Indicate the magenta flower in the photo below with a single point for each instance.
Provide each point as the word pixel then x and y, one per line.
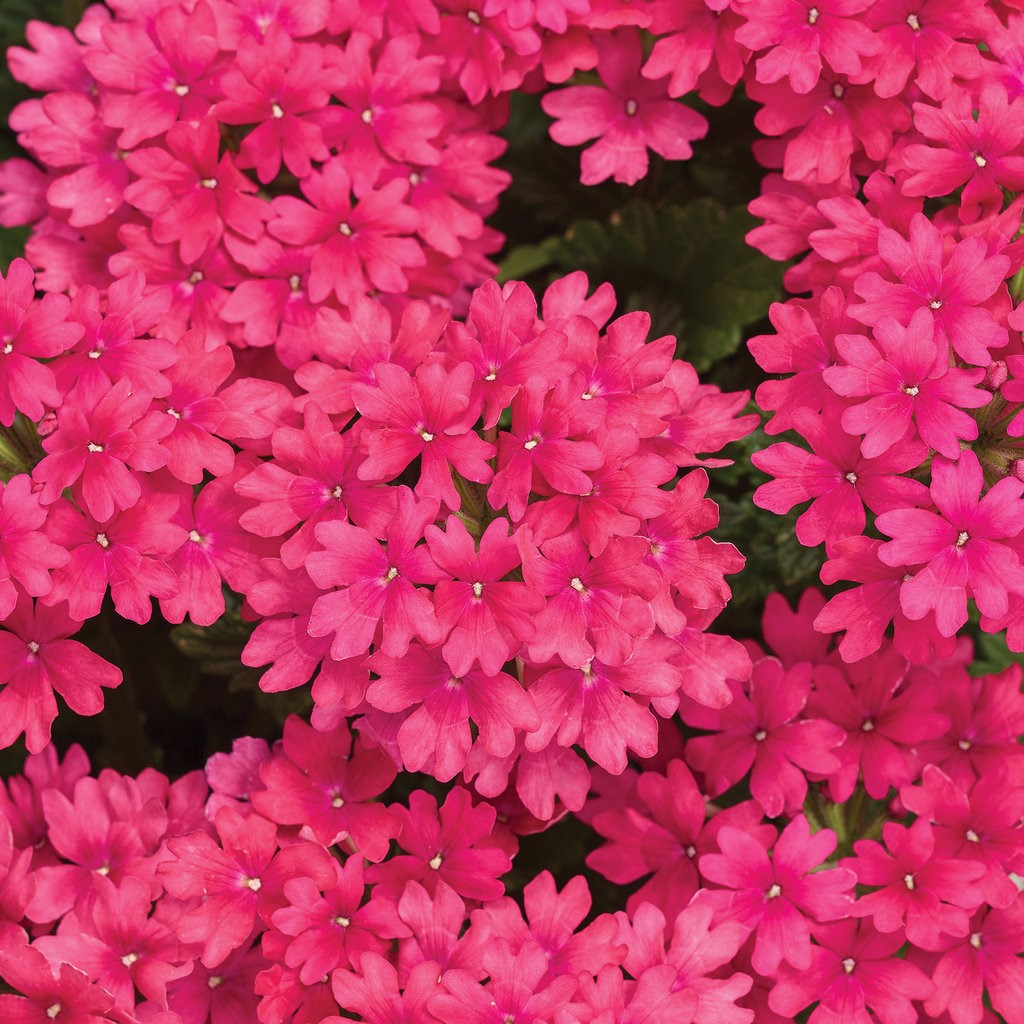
pixel 125 553
pixel 29 333
pixel 853 968
pixel 596 607
pixel 279 86
pixel 777 897
pixel 964 547
pixel 628 117
pixel 435 733
pixel 974 143
pixel 516 989
pixel 192 192
pixel 456 843
pixel 157 73
pixel 77 998
pixel 327 785
pixel 802 34
pixel 361 244
pixel 38 659
pixel 930 896
pixel 906 378
pixel 987 959
pixel 236 879
pixel 336 927
pixel 952 284
pixel 485 616
pixel 885 715
pixel 377 583
pixel 102 435
pixel 764 735
pixel 388 114
pixel 429 416
pixel 539 441
pixel 837 478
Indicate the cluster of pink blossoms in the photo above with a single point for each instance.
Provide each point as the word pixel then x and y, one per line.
pixel 268 356
pixel 900 153
pixel 276 887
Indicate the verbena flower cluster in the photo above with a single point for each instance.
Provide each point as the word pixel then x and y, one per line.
pixel 898 160
pixel 257 344
pixel 275 887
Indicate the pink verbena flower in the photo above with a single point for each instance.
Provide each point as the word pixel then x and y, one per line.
pixel 763 735
pixel 101 436
pixel 237 879
pixel 929 896
pixel 803 33
pixel 953 284
pixel 627 117
pixel 377 582
pixel 38 659
pixel 853 968
pixel 29 333
pixel 777 897
pixel 908 383
pixel 964 547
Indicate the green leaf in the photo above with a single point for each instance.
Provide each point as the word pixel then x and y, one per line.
pixel 12 245
pixel 525 260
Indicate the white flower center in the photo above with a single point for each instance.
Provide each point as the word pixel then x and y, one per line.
pixel 33 647
pixel 366 116
pixel 975 940
pixel 342 922
pixel 252 883
pixel 276 111
pixel 914 22
pixel 774 891
pixel 344 228
pixel 434 863
pixel 848 964
pixel 94 448
pixel 52 1011
pixel 102 540
pixel 577 584
pixel 935 304
pixel 971 836
pixel 195 536
pixel 180 90
pixel 478 589
pixel 631 108
pixel 911 389
pixel 980 160
pixel 210 183
pixel 851 477
pixel 813 15
pixel 129 958
pixel 473 17
pixel 964 744
pixel 962 538
pixel 760 736
pixel 531 444
pixel 908 881
pixel 867 726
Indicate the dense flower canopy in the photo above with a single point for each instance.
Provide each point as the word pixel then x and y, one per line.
pixel 259 371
